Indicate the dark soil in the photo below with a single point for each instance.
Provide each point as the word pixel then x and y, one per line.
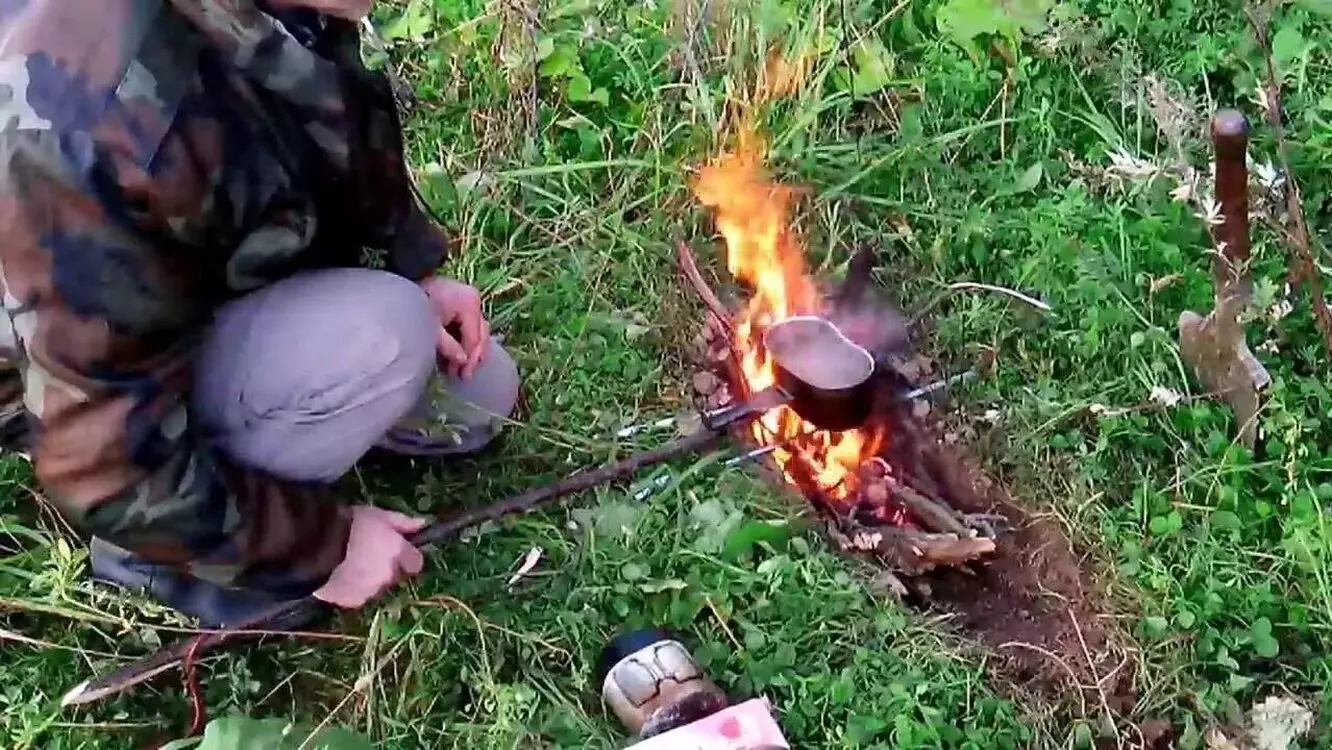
pixel 1031 603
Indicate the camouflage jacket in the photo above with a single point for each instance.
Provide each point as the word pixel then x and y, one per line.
pixel 157 158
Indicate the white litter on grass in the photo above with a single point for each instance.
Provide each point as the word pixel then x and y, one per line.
pixel 1280 309
pixel 529 562
pixel 1267 174
pixel 1276 723
pixel 1101 411
pixel 1165 396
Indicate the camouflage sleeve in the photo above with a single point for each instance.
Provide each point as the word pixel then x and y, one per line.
pixel 349 113
pixel 380 173
pixel 107 329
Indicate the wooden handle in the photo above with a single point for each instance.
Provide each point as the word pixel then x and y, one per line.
pixel 1230 138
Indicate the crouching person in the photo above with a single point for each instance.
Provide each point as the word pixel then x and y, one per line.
pixel 195 350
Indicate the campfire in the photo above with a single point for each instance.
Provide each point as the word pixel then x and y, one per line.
pixel 765 253
pixel 873 483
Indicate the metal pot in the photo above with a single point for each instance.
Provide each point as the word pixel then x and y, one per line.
pixel 821 374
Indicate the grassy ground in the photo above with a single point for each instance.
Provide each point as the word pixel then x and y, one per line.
pixel 969 140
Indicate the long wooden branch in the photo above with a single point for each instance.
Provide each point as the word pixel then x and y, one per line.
pixel 286 615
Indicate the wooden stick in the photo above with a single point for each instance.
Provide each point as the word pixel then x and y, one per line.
pixel 934 515
pixel 685 257
pixel 285 615
pixel 1304 269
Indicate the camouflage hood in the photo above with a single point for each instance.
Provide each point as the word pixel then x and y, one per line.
pixel 266 51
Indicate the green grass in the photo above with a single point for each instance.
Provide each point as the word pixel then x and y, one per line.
pixel 980 157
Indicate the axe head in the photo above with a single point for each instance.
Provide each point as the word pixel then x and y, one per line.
pixel 1214 345
pixel 1215 348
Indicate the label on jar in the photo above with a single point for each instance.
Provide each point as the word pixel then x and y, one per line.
pixel 745 726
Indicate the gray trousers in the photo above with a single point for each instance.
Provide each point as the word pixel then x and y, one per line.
pixel 303 377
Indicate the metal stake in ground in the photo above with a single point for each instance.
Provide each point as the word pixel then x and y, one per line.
pixel 1215 346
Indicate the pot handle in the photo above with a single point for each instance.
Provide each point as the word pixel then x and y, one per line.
pixel 759 403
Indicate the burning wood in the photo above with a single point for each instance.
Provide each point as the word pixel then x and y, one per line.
pixel 764 253
pixel 854 477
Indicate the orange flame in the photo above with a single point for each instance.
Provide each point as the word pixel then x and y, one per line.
pixel 763 251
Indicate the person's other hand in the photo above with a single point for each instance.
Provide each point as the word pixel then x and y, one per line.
pixel 378 556
pixel 353 10
pixel 459 305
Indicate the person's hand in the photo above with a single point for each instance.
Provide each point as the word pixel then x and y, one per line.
pixel 352 10
pixel 378 556
pixel 459 306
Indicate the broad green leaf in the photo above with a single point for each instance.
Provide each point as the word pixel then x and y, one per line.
pixel 414 23
pixel 743 539
pixel 600 96
pixel 1155 626
pixel 580 88
pixel 244 733
pixel 1321 7
pixel 964 20
pixel 1185 618
pixel 560 62
pixel 1260 633
pixel 1268 648
pixel 1288 45
pixel 545 46
pixel 874 67
pixel 1261 628
pixel 1082 735
pixel 1224 520
pixel 1030 178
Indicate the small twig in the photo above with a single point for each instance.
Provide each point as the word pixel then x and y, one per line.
pixel 722 622
pixel 9 635
pixel 1072 676
pixel 1100 687
pixel 685 257
pixel 965 286
pixel 302 610
pixel 1304 271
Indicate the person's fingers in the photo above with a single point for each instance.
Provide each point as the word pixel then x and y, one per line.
pixel 479 353
pixel 401 522
pixel 472 324
pixel 449 348
pixel 341 591
pixel 410 560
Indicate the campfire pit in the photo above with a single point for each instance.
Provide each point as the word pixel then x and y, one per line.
pixel 892 491
pixel 872 484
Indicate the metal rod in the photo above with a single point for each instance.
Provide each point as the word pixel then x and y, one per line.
pixel 751 455
pixel 938 385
